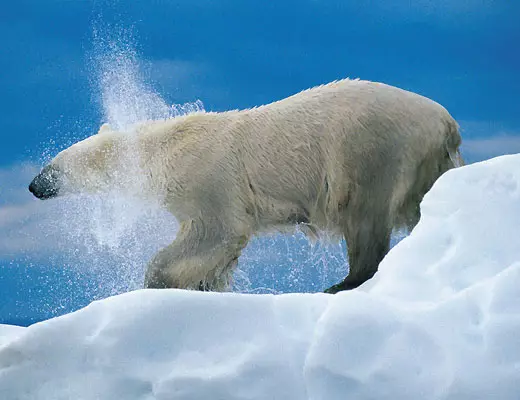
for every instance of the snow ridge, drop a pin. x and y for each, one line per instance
(439, 321)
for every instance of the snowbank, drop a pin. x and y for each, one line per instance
(441, 320)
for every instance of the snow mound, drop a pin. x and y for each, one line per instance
(441, 320)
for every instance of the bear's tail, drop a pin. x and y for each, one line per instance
(453, 142)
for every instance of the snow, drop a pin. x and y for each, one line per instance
(441, 320)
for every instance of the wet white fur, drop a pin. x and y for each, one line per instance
(350, 158)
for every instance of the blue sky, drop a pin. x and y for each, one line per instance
(229, 54)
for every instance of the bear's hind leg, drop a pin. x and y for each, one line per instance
(368, 241)
(202, 257)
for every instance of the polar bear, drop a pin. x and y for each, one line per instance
(351, 158)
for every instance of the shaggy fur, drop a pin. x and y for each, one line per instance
(351, 158)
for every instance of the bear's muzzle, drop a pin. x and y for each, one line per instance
(46, 184)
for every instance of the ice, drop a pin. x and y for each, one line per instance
(9, 332)
(441, 320)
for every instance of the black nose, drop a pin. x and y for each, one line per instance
(47, 183)
(32, 188)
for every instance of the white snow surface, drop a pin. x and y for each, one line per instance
(441, 320)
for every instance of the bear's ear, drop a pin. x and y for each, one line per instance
(104, 128)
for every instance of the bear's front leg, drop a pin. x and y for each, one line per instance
(202, 257)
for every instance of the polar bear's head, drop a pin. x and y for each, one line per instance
(87, 166)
